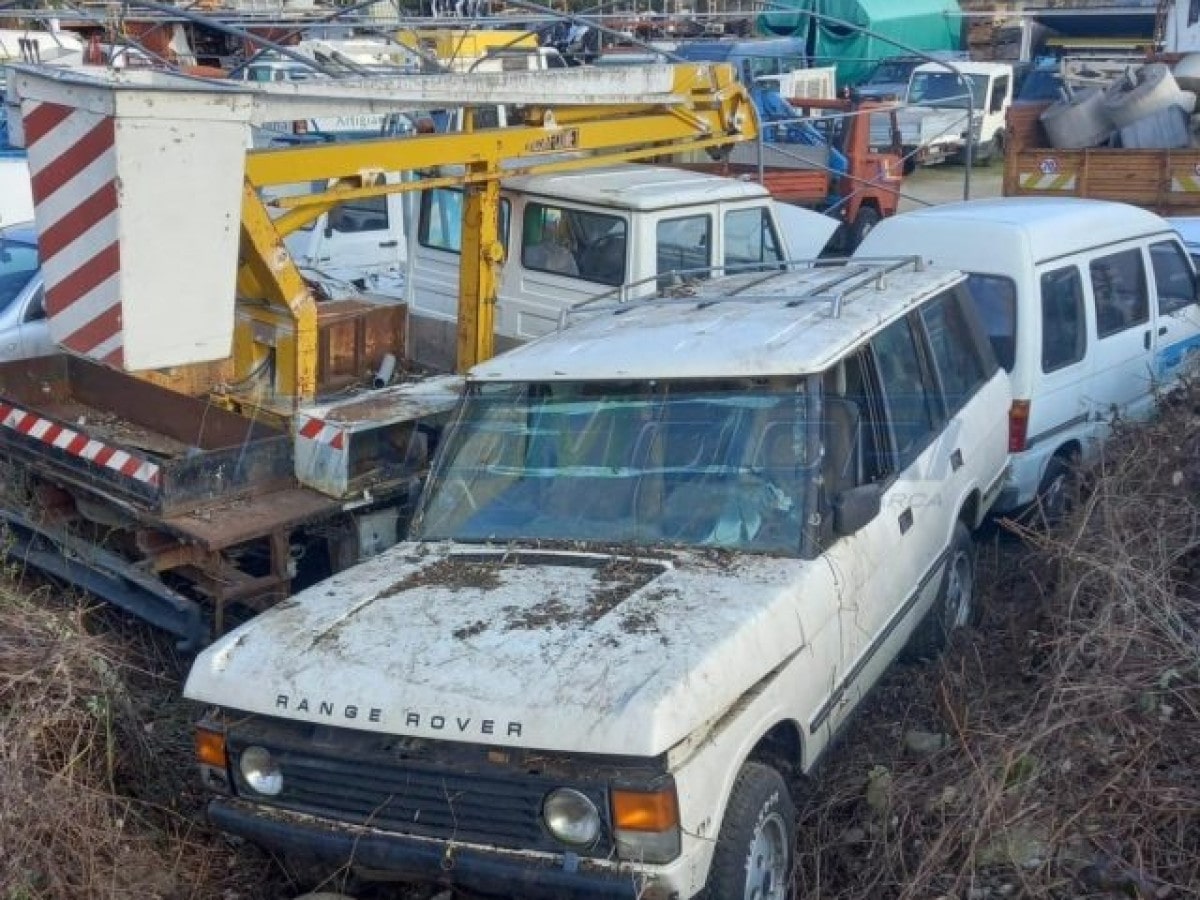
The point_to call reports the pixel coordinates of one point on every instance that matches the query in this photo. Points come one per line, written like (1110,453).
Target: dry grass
(1073,716)
(96,765)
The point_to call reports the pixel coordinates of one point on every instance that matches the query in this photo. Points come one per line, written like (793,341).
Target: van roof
(637,187)
(1049,227)
(749,325)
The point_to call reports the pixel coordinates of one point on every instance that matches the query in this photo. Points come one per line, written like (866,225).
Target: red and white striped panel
(73,161)
(322,433)
(49,432)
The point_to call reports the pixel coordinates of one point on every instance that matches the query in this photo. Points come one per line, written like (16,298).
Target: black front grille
(417,798)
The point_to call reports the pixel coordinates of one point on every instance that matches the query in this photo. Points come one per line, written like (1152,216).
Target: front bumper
(400,857)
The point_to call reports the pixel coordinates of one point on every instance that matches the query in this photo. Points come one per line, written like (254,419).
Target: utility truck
(211,440)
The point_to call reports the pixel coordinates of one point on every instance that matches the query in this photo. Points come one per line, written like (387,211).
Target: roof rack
(852,274)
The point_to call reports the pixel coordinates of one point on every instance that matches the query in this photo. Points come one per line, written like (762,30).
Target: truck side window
(439,226)
(1119,291)
(955,353)
(1064,332)
(999,92)
(683,245)
(996,304)
(1173,277)
(750,239)
(906,390)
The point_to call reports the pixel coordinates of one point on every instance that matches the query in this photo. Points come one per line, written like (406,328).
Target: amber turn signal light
(210,748)
(644,810)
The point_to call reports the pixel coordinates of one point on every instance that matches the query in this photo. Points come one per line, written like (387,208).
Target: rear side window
(1173,276)
(1119,291)
(1064,329)
(961,369)
(908,396)
(683,245)
(996,303)
(750,238)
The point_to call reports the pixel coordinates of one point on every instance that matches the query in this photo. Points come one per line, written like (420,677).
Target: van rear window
(996,301)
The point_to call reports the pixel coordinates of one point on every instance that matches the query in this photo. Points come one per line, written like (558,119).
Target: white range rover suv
(661,556)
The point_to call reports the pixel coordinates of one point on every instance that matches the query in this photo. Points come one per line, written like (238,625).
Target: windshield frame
(639,490)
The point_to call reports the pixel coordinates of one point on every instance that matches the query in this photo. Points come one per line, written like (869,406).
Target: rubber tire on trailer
(757,839)
(1079,123)
(1156,89)
(868,217)
(955,605)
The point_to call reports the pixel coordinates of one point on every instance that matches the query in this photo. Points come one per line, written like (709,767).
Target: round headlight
(571,817)
(261,771)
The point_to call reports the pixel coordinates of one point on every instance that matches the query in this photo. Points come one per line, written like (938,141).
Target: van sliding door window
(1173,278)
(1119,291)
(1064,330)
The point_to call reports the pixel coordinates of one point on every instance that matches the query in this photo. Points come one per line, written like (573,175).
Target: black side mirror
(854,508)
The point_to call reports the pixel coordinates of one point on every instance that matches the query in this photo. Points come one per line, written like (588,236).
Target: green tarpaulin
(918,24)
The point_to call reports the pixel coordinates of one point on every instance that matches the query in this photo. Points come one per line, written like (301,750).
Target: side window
(575,242)
(440,225)
(440,221)
(1119,291)
(996,305)
(1173,277)
(364,214)
(1064,328)
(906,392)
(37,306)
(956,356)
(750,238)
(999,92)
(683,245)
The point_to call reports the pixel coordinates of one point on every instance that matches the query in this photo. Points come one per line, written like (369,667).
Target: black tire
(754,852)
(868,217)
(993,151)
(1056,492)
(955,605)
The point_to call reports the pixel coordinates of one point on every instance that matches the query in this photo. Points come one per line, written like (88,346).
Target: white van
(1091,306)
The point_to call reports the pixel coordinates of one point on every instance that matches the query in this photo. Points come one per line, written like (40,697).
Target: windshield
(947,89)
(18,264)
(892,72)
(711,464)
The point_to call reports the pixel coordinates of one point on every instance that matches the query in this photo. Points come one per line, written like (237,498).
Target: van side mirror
(856,507)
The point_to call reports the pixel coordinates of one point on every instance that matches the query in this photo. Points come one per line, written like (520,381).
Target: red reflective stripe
(69,228)
(42,119)
(74,160)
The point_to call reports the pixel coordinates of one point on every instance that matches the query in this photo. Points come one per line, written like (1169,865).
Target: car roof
(759,324)
(1049,226)
(638,187)
(23,232)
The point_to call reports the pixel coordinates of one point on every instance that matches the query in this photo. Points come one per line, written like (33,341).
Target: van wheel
(955,605)
(1056,493)
(864,223)
(753,856)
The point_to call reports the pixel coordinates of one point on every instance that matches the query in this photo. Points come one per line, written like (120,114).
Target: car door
(1121,383)
(1177,320)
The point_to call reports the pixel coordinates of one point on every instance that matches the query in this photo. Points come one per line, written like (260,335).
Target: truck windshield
(947,89)
(711,464)
(18,264)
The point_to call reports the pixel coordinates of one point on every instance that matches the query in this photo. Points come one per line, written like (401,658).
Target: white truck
(933,124)
(662,555)
(568,237)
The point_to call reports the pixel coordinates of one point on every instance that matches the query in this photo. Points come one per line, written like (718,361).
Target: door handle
(1146,340)
(956,460)
(905,520)
(1162,329)
(389,243)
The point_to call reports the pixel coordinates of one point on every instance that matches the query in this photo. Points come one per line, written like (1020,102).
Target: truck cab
(569,237)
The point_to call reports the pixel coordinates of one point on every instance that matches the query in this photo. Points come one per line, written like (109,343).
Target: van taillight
(1018,425)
